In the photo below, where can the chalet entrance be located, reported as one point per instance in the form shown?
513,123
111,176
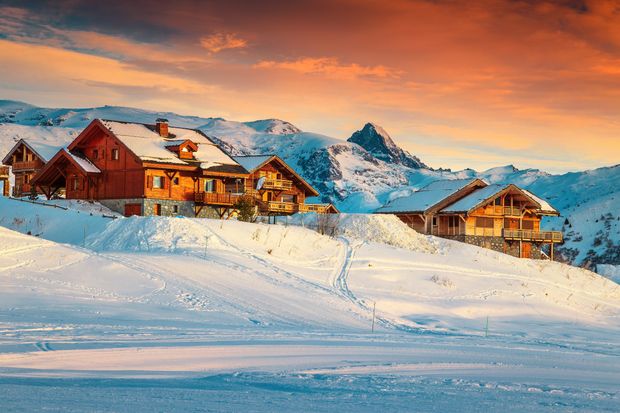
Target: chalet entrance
133,209
526,250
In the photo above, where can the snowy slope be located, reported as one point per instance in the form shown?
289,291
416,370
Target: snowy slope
361,178
189,314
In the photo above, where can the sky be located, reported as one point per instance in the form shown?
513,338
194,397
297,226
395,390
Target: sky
458,83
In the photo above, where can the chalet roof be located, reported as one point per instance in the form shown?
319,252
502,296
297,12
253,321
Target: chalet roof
426,197
474,199
255,162
252,162
86,165
545,206
148,145
44,151
481,195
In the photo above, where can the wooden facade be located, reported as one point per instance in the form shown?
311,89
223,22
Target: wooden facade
277,188
25,162
505,218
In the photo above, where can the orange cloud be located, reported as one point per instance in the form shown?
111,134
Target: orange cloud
217,42
329,66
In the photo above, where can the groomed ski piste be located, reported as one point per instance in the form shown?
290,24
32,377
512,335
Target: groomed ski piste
179,314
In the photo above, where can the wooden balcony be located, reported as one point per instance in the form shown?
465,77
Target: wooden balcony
318,208
512,211
531,235
281,184
285,207
4,171
214,198
26,165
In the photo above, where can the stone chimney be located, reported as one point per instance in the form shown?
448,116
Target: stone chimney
161,127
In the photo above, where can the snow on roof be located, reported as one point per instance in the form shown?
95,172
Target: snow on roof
148,145
475,198
84,163
45,151
544,205
427,196
251,162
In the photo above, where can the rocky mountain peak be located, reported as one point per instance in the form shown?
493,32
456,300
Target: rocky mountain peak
378,142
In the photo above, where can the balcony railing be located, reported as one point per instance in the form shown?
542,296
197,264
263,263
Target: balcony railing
4,171
287,207
283,184
318,208
26,165
512,211
531,235
214,198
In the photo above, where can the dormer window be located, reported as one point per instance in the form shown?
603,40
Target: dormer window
184,149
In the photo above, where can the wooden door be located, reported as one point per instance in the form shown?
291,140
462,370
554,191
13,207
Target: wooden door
526,250
157,209
133,209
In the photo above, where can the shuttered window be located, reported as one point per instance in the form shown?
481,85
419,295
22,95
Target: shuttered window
482,222
158,182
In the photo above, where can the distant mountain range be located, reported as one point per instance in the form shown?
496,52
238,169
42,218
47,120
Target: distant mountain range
363,172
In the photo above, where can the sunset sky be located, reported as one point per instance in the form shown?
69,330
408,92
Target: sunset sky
458,83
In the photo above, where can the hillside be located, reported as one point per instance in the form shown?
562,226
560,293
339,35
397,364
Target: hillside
178,306
364,172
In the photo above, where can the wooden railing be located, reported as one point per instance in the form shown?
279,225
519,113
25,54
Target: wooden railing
531,235
283,184
512,211
318,208
288,207
18,166
214,198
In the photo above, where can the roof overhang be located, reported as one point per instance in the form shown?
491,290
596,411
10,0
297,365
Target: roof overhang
52,170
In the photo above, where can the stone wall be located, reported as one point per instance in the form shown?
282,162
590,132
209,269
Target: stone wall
498,244
183,208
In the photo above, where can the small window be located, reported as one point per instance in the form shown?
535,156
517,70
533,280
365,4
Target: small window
498,201
175,209
95,154
157,209
76,183
209,185
115,154
434,221
26,178
176,181
158,182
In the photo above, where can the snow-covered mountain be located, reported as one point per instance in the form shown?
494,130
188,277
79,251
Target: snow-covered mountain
361,173
379,144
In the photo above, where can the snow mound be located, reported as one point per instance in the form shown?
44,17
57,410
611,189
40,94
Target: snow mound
387,229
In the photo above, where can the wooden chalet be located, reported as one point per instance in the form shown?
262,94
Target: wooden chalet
25,160
505,218
155,169
277,188
146,169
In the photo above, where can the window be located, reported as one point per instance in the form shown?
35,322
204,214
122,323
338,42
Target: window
26,178
175,209
157,209
498,201
209,185
482,222
453,222
115,154
434,221
158,182
76,183
95,154
176,181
